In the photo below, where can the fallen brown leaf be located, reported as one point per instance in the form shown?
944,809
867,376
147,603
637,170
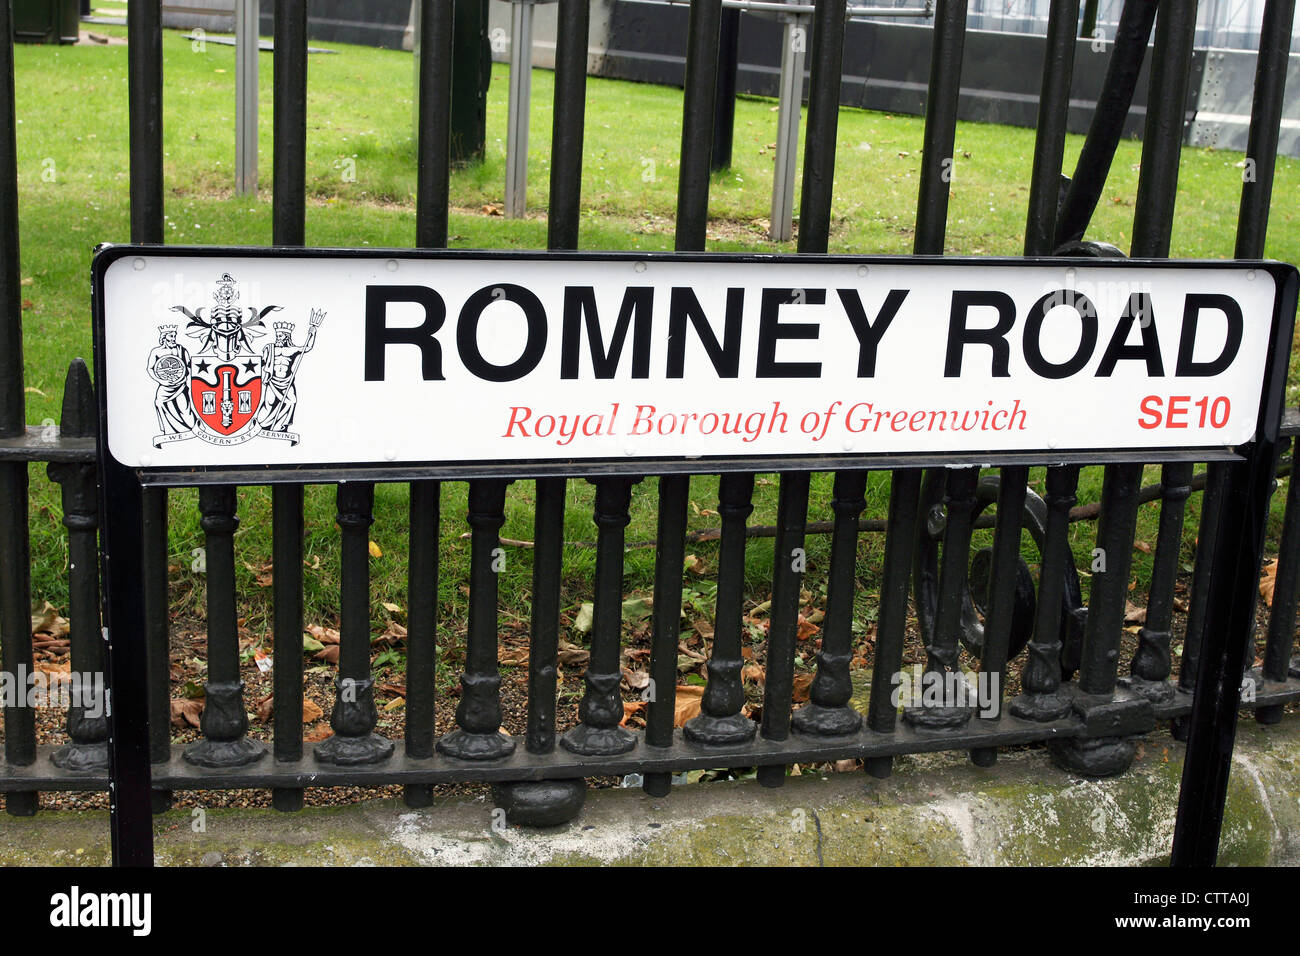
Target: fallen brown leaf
311,711
631,708
330,654
1268,581
186,712
326,635
571,655
318,733
687,704
802,683
1134,614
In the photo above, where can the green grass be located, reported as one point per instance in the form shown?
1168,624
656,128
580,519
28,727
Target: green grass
74,193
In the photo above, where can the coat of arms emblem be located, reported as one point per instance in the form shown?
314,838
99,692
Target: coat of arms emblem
226,392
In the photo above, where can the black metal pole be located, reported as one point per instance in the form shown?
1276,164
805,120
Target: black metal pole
827,56
1049,140
288,228
433,152
122,498
567,124
1211,729
940,127
1089,24
1090,172
1171,62
724,103
697,123
1230,615
15,590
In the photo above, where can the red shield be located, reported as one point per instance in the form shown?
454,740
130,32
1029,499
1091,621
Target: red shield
227,394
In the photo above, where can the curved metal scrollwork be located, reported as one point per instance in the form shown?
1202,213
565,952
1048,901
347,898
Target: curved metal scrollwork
974,601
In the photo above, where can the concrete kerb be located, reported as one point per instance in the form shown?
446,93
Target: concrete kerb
937,809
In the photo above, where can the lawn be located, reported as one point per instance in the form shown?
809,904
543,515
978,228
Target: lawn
361,183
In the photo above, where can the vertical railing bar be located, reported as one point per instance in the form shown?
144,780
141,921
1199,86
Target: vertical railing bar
828,712
145,122
827,55
1049,138
544,632
666,621
697,124
598,732
724,109
1151,662
1265,127
434,147
789,563
1098,667
288,228
1157,190
1252,228
478,715
721,721
144,69
87,724
940,126
433,183
224,723
422,629
354,715
15,570
942,654
1002,595
1108,118
1278,662
569,117
1252,224
13,410
1041,698
891,622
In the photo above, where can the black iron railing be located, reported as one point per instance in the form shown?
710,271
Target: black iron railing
1073,695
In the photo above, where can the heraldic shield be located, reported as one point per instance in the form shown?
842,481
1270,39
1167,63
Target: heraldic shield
226,396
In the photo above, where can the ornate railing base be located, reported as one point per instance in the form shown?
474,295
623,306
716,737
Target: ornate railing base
720,731
817,721
1041,707
540,803
81,758
1156,691
224,754
1094,757
353,751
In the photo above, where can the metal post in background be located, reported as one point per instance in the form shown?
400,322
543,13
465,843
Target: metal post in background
793,54
246,52
521,84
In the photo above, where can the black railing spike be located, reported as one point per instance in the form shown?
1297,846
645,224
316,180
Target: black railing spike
80,415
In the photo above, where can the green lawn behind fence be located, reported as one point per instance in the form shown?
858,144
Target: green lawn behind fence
72,141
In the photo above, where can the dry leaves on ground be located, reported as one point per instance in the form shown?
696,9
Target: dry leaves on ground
1268,581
